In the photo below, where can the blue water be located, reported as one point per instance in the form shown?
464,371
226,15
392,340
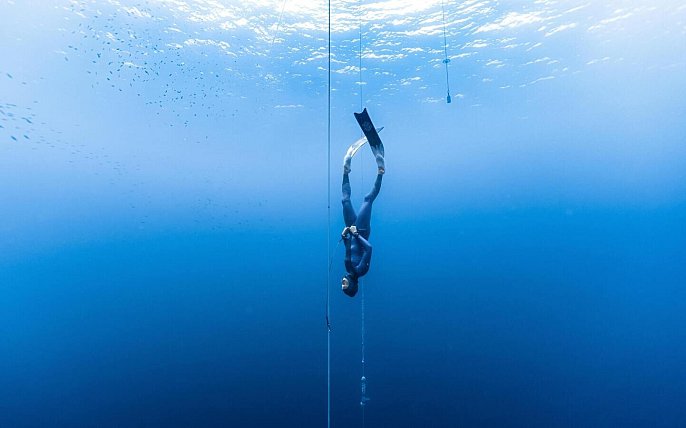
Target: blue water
163,214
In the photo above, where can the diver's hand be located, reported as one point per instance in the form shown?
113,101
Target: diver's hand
353,230
345,233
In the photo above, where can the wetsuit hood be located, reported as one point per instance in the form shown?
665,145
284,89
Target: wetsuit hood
352,285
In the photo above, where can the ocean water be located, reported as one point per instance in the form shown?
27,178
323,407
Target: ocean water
164,230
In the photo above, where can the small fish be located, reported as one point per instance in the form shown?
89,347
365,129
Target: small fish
14,138
9,75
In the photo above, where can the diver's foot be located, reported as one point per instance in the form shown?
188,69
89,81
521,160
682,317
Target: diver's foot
380,162
346,164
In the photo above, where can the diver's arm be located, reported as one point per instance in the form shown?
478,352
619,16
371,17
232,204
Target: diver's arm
363,266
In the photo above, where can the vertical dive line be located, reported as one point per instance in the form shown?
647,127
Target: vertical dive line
363,332
362,379
360,54
278,24
328,228
445,50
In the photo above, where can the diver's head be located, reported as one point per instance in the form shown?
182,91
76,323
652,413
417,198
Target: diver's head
349,285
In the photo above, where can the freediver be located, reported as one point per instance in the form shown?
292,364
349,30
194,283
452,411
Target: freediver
355,235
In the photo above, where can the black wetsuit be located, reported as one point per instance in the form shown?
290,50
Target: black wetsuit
358,251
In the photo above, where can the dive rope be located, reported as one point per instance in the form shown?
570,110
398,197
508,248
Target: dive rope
445,49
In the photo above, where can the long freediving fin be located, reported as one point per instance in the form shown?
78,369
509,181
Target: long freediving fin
354,147
368,128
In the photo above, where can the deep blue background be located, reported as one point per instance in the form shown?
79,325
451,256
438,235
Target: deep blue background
163,260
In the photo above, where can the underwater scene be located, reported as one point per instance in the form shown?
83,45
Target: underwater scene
186,213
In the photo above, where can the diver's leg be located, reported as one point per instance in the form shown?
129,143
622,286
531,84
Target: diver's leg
348,211
364,217
375,190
